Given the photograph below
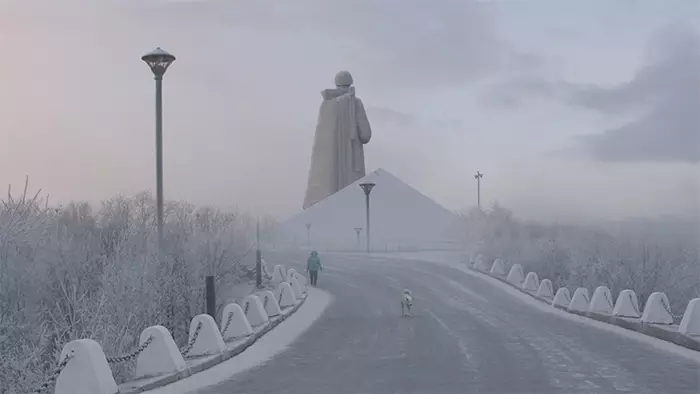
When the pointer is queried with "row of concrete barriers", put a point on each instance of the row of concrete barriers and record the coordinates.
(84, 368)
(656, 319)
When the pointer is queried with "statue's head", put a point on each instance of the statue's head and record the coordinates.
(343, 79)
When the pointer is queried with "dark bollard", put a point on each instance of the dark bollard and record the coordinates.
(210, 296)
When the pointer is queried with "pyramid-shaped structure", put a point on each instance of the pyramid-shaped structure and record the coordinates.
(401, 219)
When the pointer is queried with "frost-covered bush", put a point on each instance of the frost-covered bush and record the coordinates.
(77, 272)
(645, 256)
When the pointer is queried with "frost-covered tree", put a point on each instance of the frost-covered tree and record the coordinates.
(77, 272)
(644, 256)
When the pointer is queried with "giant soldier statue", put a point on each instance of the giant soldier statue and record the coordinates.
(338, 158)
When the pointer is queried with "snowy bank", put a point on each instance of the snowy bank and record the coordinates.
(261, 351)
(207, 349)
(663, 336)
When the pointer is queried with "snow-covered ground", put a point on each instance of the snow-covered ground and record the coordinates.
(469, 333)
(445, 258)
(274, 342)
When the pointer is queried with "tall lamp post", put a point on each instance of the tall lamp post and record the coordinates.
(159, 61)
(367, 188)
(478, 177)
(358, 230)
(308, 237)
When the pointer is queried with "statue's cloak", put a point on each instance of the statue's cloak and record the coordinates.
(337, 158)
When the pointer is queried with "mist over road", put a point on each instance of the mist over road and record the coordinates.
(466, 336)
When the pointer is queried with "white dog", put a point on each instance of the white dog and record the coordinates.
(406, 303)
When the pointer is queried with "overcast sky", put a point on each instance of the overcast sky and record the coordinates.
(571, 109)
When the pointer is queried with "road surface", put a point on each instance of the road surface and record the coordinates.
(467, 336)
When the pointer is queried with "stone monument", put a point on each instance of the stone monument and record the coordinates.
(338, 158)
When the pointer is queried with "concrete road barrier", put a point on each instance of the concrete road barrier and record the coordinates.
(562, 299)
(85, 371)
(515, 276)
(285, 295)
(531, 282)
(160, 356)
(690, 324)
(627, 305)
(270, 303)
(205, 337)
(657, 309)
(234, 324)
(278, 274)
(580, 301)
(546, 289)
(254, 310)
(601, 302)
(480, 264)
(498, 268)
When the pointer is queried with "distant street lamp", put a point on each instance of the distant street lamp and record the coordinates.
(367, 188)
(308, 237)
(478, 177)
(358, 230)
(159, 61)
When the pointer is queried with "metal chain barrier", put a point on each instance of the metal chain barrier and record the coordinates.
(228, 323)
(132, 355)
(634, 304)
(280, 297)
(668, 310)
(265, 301)
(247, 306)
(52, 379)
(192, 341)
(608, 300)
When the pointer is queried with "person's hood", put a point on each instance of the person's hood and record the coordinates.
(330, 94)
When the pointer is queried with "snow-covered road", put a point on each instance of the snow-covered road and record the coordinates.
(467, 336)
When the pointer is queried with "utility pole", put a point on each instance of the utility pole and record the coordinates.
(478, 177)
(258, 257)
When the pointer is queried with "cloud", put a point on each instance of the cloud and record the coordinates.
(409, 43)
(660, 102)
(667, 93)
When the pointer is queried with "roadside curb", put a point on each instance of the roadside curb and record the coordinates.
(211, 361)
(664, 333)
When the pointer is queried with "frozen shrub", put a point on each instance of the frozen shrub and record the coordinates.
(78, 272)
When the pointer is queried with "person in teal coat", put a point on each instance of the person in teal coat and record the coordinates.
(313, 265)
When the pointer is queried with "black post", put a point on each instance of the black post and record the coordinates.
(211, 296)
(308, 237)
(258, 259)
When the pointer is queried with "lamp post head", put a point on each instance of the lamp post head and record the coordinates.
(358, 229)
(308, 226)
(367, 187)
(159, 61)
(478, 175)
